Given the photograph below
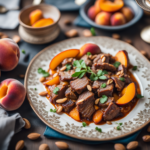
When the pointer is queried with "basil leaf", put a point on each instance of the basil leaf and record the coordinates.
(78, 70)
(99, 73)
(40, 70)
(76, 63)
(68, 67)
(93, 31)
(116, 64)
(98, 129)
(80, 61)
(55, 91)
(103, 85)
(139, 96)
(122, 79)
(102, 77)
(82, 74)
(76, 74)
(104, 72)
(103, 99)
(134, 68)
(93, 77)
(88, 53)
(83, 65)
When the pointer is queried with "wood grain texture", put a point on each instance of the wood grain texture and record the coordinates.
(132, 33)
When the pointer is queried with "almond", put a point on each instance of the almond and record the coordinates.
(19, 145)
(89, 87)
(61, 145)
(118, 146)
(71, 33)
(44, 93)
(60, 101)
(16, 38)
(42, 79)
(109, 122)
(96, 101)
(116, 36)
(44, 147)
(56, 74)
(87, 33)
(27, 124)
(59, 109)
(148, 129)
(33, 136)
(146, 138)
(132, 145)
(63, 68)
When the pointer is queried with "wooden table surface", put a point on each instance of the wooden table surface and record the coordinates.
(132, 33)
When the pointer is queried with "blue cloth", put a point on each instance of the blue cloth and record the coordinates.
(50, 133)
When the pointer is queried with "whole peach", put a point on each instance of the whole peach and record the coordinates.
(92, 12)
(12, 94)
(9, 54)
(89, 47)
(117, 19)
(103, 18)
(128, 13)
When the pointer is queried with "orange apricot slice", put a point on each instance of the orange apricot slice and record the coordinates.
(122, 57)
(75, 114)
(53, 81)
(129, 93)
(61, 56)
(97, 117)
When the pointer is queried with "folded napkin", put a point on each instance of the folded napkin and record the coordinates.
(9, 125)
(50, 133)
(9, 20)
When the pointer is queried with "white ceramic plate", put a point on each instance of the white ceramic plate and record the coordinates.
(134, 121)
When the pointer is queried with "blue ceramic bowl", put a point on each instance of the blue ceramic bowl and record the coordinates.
(138, 12)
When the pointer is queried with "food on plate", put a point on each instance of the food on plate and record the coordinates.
(110, 13)
(9, 54)
(37, 19)
(92, 86)
(12, 94)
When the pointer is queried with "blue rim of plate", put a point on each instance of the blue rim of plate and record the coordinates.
(130, 3)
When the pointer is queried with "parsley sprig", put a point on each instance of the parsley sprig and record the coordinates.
(53, 110)
(55, 91)
(84, 124)
(119, 126)
(43, 72)
(98, 129)
(68, 67)
(103, 99)
(139, 96)
(134, 68)
(116, 64)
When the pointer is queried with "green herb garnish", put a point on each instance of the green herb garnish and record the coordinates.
(93, 31)
(134, 68)
(118, 128)
(88, 53)
(23, 51)
(122, 79)
(43, 72)
(84, 124)
(139, 96)
(103, 85)
(35, 89)
(55, 91)
(103, 99)
(68, 67)
(103, 77)
(116, 64)
(53, 110)
(98, 129)
(101, 73)
(93, 77)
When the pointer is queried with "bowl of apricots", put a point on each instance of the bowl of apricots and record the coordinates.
(39, 23)
(111, 14)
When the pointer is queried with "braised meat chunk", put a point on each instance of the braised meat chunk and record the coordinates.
(87, 61)
(105, 66)
(68, 106)
(105, 105)
(79, 85)
(85, 104)
(67, 61)
(111, 112)
(70, 94)
(66, 75)
(99, 58)
(122, 68)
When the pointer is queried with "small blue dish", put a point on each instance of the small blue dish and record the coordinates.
(138, 13)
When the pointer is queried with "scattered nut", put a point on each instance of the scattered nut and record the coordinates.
(93, 57)
(16, 38)
(33, 136)
(148, 129)
(128, 41)
(21, 76)
(116, 36)
(61, 145)
(63, 68)
(109, 122)
(79, 101)
(44, 147)
(90, 56)
(118, 146)
(96, 101)
(27, 124)
(4, 36)
(146, 138)
(56, 74)
(59, 109)
(67, 22)
(19, 145)
(103, 59)
(89, 87)
(87, 33)
(42, 79)
(70, 59)
(102, 56)
(71, 33)
(109, 81)
(132, 145)
(60, 101)
(44, 93)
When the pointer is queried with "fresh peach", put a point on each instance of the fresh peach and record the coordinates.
(103, 18)
(61, 56)
(92, 12)
(89, 47)
(52, 81)
(128, 94)
(35, 15)
(12, 94)
(98, 116)
(117, 19)
(128, 13)
(97, 6)
(122, 57)
(9, 54)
